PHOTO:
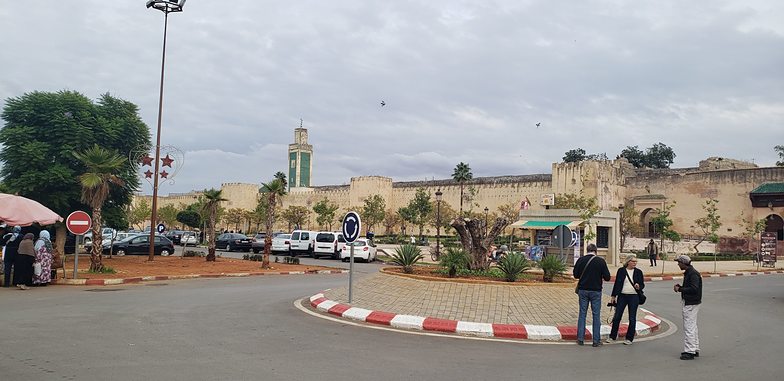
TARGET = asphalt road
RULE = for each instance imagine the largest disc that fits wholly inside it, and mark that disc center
(249, 329)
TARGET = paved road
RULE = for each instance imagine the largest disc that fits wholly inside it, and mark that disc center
(248, 328)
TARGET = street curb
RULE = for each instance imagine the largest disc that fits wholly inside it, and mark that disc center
(152, 278)
(649, 324)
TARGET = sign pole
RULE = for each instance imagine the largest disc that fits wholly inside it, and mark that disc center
(350, 272)
(351, 228)
(76, 255)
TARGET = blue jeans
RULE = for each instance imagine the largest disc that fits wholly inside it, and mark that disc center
(633, 301)
(595, 297)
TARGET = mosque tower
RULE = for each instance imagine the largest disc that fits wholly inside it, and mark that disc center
(300, 159)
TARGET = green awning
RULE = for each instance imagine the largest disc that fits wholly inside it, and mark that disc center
(528, 224)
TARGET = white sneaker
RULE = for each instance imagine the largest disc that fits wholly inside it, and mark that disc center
(609, 341)
(627, 342)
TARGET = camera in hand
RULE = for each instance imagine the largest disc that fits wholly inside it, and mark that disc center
(612, 303)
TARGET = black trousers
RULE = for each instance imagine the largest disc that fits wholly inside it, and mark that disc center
(23, 270)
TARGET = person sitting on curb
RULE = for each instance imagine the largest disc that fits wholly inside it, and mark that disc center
(691, 298)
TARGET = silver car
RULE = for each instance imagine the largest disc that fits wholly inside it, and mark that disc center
(281, 244)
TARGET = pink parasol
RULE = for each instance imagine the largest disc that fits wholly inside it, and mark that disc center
(18, 210)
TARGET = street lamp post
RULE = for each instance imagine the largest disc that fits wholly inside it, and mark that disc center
(165, 6)
(486, 211)
(438, 222)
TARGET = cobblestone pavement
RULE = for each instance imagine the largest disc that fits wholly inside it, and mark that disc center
(482, 303)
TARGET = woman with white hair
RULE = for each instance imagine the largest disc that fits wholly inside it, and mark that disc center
(629, 282)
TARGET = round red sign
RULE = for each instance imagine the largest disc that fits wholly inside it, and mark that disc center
(78, 222)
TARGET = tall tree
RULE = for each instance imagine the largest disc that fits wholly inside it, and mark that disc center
(420, 209)
(780, 151)
(461, 174)
(41, 132)
(373, 211)
(634, 155)
(630, 224)
(391, 219)
(587, 207)
(295, 215)
(233, 217)
(659, 155)
(663, 224)
(574, 155)
(139, 213)
(212, 199)
(709, 223)
(273, 191)
(102, 168)
(168, 215)
(189, 218)
(325, 213)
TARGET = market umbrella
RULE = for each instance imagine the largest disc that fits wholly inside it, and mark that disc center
(18, 210)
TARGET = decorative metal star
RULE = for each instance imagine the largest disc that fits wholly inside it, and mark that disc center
(167, 161)
(164, 174)
(148, 174)
(146, 160)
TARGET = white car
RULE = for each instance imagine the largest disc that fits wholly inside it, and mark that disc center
(189, 238)
(363, 249)
(302, 242)
(281, 244)
(329, 244)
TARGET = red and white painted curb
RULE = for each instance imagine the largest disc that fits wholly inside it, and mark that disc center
(108, 282)
(646, 326)
(719, 275)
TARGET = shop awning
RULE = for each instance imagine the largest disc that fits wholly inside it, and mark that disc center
(544, 225)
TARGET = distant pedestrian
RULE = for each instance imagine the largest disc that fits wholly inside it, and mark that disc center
(43, 256)
(23, 264)
(691, 298)
(589, 271)
(653, 252)
(629, 280)
(11, 242)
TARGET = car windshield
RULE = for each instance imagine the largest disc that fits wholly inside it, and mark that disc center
(239, 236)
(325, 237)
(358, 243)
(283, 236)
(261, 236)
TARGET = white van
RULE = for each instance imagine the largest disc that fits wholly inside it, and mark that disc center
(302, 242)
(328, 244)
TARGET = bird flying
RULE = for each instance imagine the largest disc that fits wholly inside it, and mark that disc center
(383, 103)
(537, 125)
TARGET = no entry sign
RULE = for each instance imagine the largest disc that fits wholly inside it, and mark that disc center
(78, 222)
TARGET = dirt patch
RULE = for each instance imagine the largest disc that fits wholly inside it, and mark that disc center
(433, 273)
(131, 266)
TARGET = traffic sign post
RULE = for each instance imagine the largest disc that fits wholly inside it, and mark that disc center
(562, 238)
(351, 227)
(160, 228)
(78, 223)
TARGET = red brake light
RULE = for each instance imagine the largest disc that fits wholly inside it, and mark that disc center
(287, 243)
(365, 248)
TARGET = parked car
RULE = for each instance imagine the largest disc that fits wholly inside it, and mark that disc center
(140, 244)
(174, 235)
(302, 242)
(106, 233)
(189, 238)
(233, 241)
(328, 244)
(281, 244)
(257, 243)
(107, 243)
(363, 249)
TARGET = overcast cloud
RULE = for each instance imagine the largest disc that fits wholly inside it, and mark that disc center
(462, 80)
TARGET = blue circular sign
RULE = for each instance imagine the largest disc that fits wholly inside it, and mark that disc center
(160, 228)
(352, 226)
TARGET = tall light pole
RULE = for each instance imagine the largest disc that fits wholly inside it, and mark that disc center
(486, 211)
(165, 6)
(438, 222)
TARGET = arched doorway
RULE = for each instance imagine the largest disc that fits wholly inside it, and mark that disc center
(775, 224)
(646, 223)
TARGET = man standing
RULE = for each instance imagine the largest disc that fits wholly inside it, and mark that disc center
(691, 297)
(589, 271)
(653, 252)
(11, 242)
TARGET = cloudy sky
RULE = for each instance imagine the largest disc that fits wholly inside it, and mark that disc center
(462, 80)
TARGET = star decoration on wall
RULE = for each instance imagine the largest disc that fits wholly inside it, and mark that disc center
(146, 160)
(148, 174)
(164, 174)
(167, 161)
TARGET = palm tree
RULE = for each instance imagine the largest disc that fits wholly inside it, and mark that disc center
(102, 167)
(462, 174)
(274, 191)
(213, 199)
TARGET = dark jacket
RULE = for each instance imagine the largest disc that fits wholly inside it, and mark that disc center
(11, 247)
(620, 277)
(596, 271)
(691, 290)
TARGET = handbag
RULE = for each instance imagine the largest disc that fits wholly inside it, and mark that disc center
(37, 268)
(642, 296)
(577, 286)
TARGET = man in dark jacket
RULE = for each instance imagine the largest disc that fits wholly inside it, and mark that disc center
(589, 271)
(691, 297)
(11, 242)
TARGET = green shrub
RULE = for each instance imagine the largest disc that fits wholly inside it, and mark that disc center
(104, 270)
(512, 265)
(552, 266)
(454, 259)
(192, 253)
(254, 257)
(406, 256)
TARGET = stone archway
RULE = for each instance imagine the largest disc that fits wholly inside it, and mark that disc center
(775, 224)
(646, 224)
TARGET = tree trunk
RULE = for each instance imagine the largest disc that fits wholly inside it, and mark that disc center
(211, 235)
(61, 234)
(96, 259)
(696, 250)
(265, 263)
(461, 200)
(471, 232)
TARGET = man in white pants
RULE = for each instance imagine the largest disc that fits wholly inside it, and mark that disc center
(691, 297)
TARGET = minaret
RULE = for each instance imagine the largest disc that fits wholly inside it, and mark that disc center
(300, 159)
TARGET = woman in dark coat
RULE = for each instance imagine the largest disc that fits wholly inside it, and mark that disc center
(23, 264)
(629, 280)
